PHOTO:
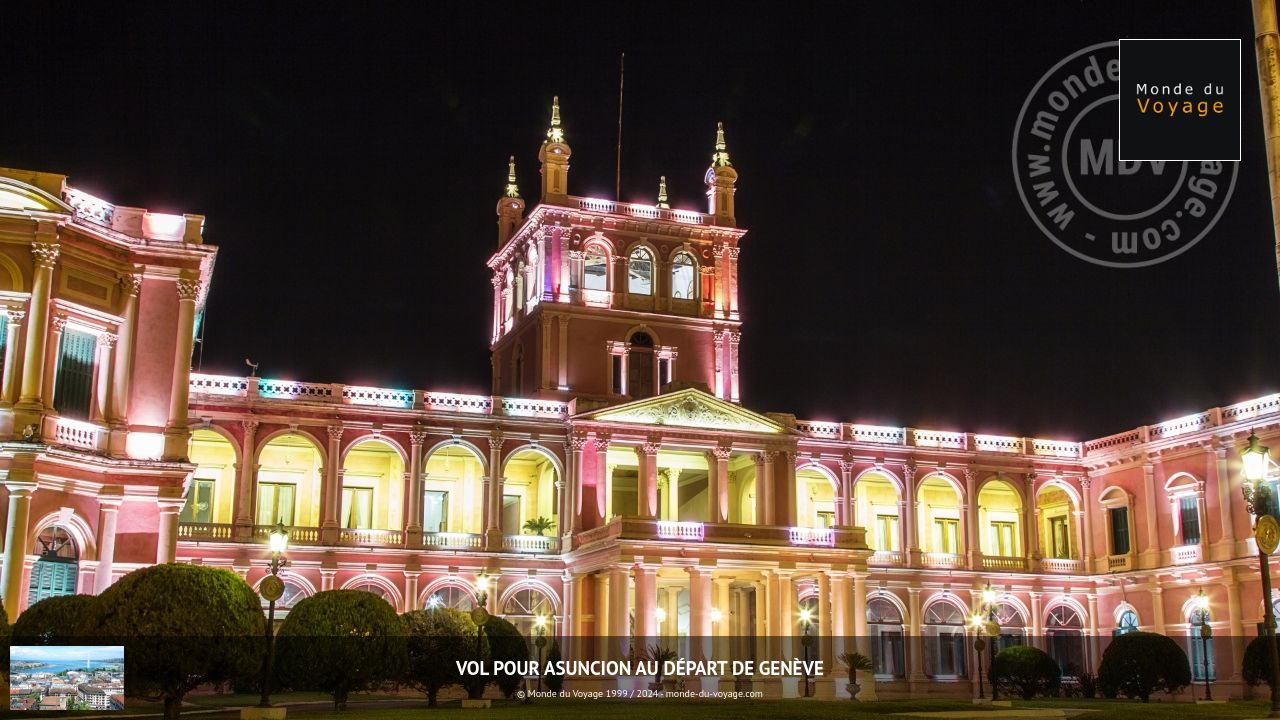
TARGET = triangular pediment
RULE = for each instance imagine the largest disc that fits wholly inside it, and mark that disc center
(689, 408)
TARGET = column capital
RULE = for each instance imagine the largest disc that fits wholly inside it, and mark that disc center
(495, 438)
(107, 340)
(768, 455)
(650, 446)
(335, 432)
(58, 323)
(249, 425)
(188, 289)
(45, 254)
(417, 437)
(16, 316)
(577, 441)
(131, 283)
(722, 451)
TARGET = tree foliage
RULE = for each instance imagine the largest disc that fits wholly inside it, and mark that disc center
(1138, 664)
(340, 642)
(554, 681)
(53, 620)
(506, 644)
(1256, 668)
(1025, 671)
(185, 626)
(439, 638)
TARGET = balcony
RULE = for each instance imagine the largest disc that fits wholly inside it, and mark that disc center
(370, 538)
(1185, 555)
(634, 528)
(1119, 563)
(1001, 562)
(887, 558)
(76, 434)
(538, 544)
(1062, 566)
(357, 538)
(943, 561)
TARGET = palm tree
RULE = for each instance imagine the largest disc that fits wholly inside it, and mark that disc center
(538, 525)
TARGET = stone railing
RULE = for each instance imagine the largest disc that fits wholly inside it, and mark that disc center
(1001, 562)
(370, 538)
(676, 530)
(205, 531)
(917, 437)
(211, 387)
(643, 211)
(77, 434)
(887, 558)
(531, 544)
(1185, 554)
(812, 536)
(945, 561)
(453, 541)
(1119, 563)
(1064, 566)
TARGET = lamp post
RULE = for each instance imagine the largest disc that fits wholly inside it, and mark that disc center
(979, 644)
(985, 626)
(1258, 467)
(540, 642)
(272, 589)
(806, 620)
(1202, 605)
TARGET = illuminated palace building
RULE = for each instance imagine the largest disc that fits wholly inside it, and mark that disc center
(668, 510)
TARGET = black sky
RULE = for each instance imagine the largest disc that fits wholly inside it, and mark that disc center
(349, 159)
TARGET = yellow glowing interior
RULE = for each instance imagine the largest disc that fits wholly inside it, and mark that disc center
(1000, 519)
(372, 470)
(815, 499)
(457, 471)
(876, 509)
(940, 525)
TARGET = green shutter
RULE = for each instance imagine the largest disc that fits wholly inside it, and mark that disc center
(52, 578)
(73, 388)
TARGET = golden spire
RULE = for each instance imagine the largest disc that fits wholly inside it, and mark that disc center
(512, 190)
(554, 133)
(720, 158)
(662, 193)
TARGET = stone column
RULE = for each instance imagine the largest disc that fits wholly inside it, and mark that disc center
(720, 601)
(1222, 481)
(718, 492)
(105, 410)
(700, 629)
(413, 509)
(909, 516)
(326, 578)
(167, 538)
(1203, 511)
(735, 338)
(670, 630)
(1091, 646)
(845, 514)
(761, 502)
(825, 623)
(1238, 639)
(1151, 550)
(1080, 519)
(572, 519)
(13, 331)
(248, 480)
(122, 372)
(45, 256)
(569, 612)
(603, 477)
(56, 327)
(15, 544)
(1037, 621)
(769, 461)
(785, 610)
(915, 653)
(1157, 609)
(493, 526)
(646, 604)
(411, 590)
(108, 512)
(1085, 484)
(841, 613)
(718, 339)
(331, 490)
(1033, 521)
(176, 432)
(969, 511)
(604, 602)
(762, 626)
(789, 487)
(861, 639)
(620, 612)
(647, 488)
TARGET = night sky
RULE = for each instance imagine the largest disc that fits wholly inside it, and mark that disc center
(349, 161)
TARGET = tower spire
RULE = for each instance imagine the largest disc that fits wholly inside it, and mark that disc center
(662, 193)
(512, 190)
(554, 133)
(720, 158)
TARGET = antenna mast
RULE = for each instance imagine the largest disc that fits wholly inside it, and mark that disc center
(617, 177)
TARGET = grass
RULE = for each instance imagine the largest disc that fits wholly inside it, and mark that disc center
(794, 709)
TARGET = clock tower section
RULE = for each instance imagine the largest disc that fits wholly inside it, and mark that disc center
(605, 301)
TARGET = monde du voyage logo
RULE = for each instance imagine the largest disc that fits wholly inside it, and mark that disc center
(1084, 197)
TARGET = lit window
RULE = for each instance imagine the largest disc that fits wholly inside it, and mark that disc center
(1002, 542)
(1127, 623)
(684, 277)
(640, 272)
(275, 503)
(595, 269)
(1189, 515)
(946, 535)
(357, 508)
(1119, 530)
(886, 537)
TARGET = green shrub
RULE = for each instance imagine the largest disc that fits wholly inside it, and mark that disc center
(554, 681)
(1256, 667)
(184, 625)
(439, 638)
(1138, 664)
(506, 644)
(53, 620)
(1025, 671)
(340, 642)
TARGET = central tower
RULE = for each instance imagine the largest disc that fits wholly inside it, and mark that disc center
(609, 301)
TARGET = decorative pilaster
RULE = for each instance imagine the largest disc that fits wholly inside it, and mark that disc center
(167, 537)
(1087, 544)
(413, 522)
(718, 337)
(108, 513)
(735, 338)
(718, 492)
(767, 490)
(106, 401)
(1151, 549)
(15, 544)
(972, 545)
(45, 257)
(1033, 518)
(122, 372)
(13, 331)
(845, 504)
(176, 433)
(647, 495)
(246, 487)
(571, 521)
(57, 326)
(493, 526)
(910, 515)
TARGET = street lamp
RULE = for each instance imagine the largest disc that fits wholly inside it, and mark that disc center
(1201, 603)
(272, 589)
(984, 622)
(806, 619)
(716, 615)
(540, 642)
(1258, 468)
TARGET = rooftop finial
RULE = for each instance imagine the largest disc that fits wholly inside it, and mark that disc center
(720, 158)
(512, 190)
(554, 133)
(662, 193)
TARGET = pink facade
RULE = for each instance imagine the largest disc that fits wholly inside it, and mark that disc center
(674, 511)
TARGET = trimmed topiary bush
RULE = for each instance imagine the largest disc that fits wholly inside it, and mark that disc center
(52, 620)
(1025, 671)
(185, 626)
(1138, 664)
(340, 642)
(553, 681)
(439, 638)
(506, 644)
(1256, 667)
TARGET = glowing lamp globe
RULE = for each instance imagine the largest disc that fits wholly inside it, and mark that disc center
(278, 540)
(1254, 458)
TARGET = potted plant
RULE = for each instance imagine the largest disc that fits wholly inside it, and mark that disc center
(855, 662)
(538, 526)
(659, 655)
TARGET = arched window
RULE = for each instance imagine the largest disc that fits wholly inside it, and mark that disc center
(370, 586)
(1013, 630)
(1202, 665)
(293, 593)
(452, 597)
(595, 268)
(884, 625)
(54, 572)
(1064, 630)
(1126, 623)
(523, 609)
(684, 277)
(944, 641)
(640, 366)
(640, 272)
